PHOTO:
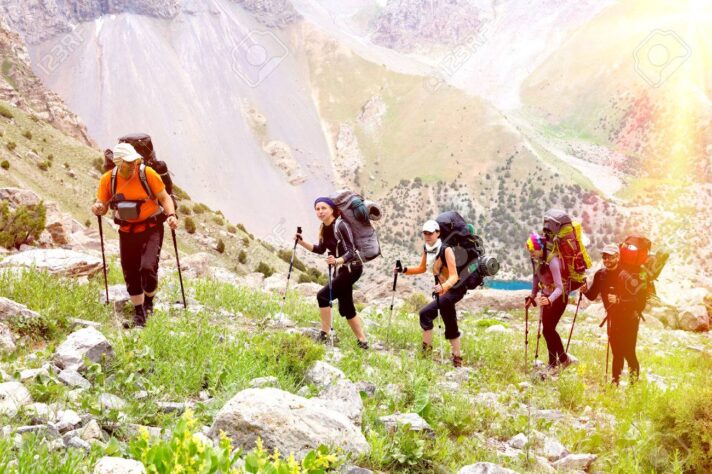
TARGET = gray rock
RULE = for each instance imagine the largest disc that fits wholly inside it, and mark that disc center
(415, 421)
(78, 443)
(118, 297)
(113, 465)
(40, 412)
(575, 462)
(173, 407)
(349, 469)
(694, 318)
(73, 378)
(519, 441)
(67, 420)
(281, 321)
(260, 382)
(485, 468)
(55, 261)
(86, 343)
(276, 282)
(496, 329)
(30, 374)
(553, 449)
(286, 422)
(366, 387)
(7, 342)
(132, 430)
(91, 431)
(322, 375)
(12, 310)
(343, 397)
(83, 323)
(111, 402)
(13, 395)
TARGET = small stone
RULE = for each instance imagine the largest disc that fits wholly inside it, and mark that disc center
(78, 443)
(519, 441)
(111, 402)
(367, 388)
(415, 421)
(496, 329)
(13, 395)
(67, 420)
(322, 375)
(485, 468)
(73, 378)
(30, 374)
(553, 449)
(575, 462)
(92, 431)
(113, 465)
(172, 407)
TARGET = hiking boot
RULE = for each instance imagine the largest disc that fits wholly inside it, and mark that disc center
(363, 344)
(148, 305)
(570, 360)
(322, 337)
(139, 319)
(456, 361)
(426, 350)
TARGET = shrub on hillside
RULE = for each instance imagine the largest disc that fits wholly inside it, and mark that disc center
(242, 257)
(189, 224)
(21, 226)
(5, 112)
(5, 165)
(264, 269)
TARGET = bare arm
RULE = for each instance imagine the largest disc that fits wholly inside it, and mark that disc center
(419, 269)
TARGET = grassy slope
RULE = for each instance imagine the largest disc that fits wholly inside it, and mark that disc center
(75, 195)
(176, 357)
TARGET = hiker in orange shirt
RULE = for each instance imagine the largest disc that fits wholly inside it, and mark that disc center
(141, 204)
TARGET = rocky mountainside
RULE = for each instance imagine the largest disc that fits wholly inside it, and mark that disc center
(21, 87)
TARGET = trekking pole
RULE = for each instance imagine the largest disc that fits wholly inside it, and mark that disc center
(538, 336)
(578, 305)
(526, 336)
(399, 267)
(608, 344)
(103, 258)
(331, 309)
(289, 273)
(180, 275)
(437, 302)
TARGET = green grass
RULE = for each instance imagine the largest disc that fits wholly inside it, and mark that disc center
(224, 346)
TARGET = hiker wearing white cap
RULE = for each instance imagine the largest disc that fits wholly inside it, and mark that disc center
(441, 260)
(141, 204)
(622, 311)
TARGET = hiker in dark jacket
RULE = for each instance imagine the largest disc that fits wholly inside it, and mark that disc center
(140, 238)
(336, 239)
(553, 299)
(623, 311)
(440, 259)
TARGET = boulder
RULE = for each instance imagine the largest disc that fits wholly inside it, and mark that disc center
(7, 342)
(519, 441)
(575, 462)
(86, 343)
(118, 296)
(343, 396)
(553, 449)
(413, 420)
(112, 465)
(197, 264)
(286, 422)
(322, 375)
(13, 395)
(485, 468)
(55, 261)
(12, 310)
(694, 318)
(17, 197)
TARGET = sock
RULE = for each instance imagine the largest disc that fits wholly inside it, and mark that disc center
(148, 301)
(139, 311)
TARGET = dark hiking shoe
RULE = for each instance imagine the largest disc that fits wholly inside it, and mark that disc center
(426, 350)
(135, 323)
(322, 337)
(363, 344)
(456, 361)
(148, 306)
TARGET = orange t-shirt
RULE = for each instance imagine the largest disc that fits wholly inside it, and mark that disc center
(132, 189)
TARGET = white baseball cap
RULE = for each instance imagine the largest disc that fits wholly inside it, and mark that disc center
(125, 152)
(431, 226)
(611, 249)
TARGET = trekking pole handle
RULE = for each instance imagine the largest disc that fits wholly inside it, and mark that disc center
(299, 232)
(399, 267)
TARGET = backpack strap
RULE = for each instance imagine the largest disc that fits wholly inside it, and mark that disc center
(144, 182)
(113, 181)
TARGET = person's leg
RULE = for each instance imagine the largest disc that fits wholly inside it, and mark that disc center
(342, 288)
(550, 318)
(322, 298)
(449, 315)
(130, 256)
(631, 340)
(427, 315)
(149, 264)
(617, 342)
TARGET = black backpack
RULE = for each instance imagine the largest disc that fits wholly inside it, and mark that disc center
(472, 264)
(144, 146)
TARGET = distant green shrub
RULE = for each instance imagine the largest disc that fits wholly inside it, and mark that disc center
(189, 224)
(184, 210)
(221, 246)
(5, 112)
(11, 145)
(232, 229)
(242, 257)
(200, 208)
(22, 225)
(27, 134)
(264, 269)
(5, 165)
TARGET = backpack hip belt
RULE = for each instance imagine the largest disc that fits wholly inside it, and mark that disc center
(158, 218)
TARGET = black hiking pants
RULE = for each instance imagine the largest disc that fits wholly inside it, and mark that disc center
(342, 289)
(623, 337)
(447, 310)
(550, 317)
(140, 252)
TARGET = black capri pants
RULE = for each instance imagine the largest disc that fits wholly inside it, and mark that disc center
(342, 289)
(447, 311)
(140, 252)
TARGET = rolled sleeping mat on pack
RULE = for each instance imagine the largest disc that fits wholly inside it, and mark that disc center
(375, 213)
(489, 266)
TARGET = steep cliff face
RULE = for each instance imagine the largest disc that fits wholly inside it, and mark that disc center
(20, 87)
(38, 20)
